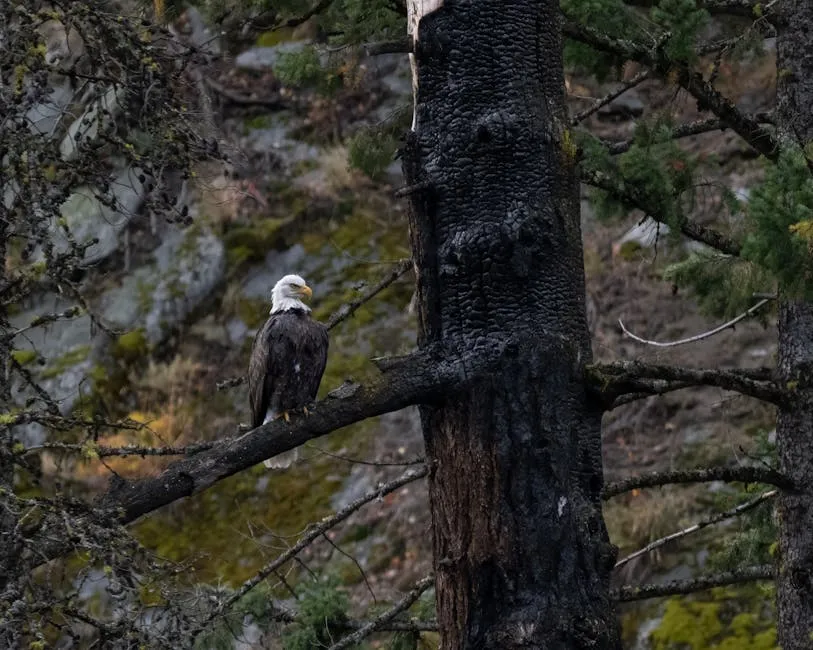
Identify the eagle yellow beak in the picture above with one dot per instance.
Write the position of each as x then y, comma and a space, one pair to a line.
306, 291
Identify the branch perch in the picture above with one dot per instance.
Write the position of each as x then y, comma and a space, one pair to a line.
702, 475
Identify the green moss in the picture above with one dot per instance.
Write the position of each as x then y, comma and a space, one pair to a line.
67, 360
717, 622
257, 122
251, 243
24, 357
131, 346
275, 37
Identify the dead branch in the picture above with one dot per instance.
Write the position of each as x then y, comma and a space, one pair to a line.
615, 94
380, 621
630, 593
312, 534
701, 475
615, 379
700, 525
703, 335
348, 309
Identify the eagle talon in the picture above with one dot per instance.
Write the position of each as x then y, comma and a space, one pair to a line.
285, 416
306, 411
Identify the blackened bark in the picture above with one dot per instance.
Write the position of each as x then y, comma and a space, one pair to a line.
522, 557
795, 422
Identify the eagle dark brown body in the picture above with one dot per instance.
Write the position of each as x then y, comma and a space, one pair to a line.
287, 362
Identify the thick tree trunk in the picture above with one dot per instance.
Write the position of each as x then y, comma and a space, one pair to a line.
795, 423
522, 557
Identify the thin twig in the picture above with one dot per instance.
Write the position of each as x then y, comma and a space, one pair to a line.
380, 621
310, 536
615, 94
728, 514
702, 335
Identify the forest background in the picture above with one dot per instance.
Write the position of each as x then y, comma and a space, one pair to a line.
272, 149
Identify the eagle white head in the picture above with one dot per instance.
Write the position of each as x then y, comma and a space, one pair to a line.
288, 293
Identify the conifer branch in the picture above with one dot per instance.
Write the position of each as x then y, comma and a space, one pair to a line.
636, 198
739, 474
708, 98
681, 131
703, 335
700, 525
615, 379
380, 621
631, 593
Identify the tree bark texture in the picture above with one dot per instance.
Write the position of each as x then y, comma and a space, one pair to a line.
795, 421
522, 556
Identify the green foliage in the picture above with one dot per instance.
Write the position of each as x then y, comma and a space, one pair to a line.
359, 21
654, 167
683, 20
723, 285
779, 213
304, 69
373, 148
612, 17
715, 622
323, 604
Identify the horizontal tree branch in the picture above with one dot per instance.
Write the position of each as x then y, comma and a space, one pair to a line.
418, 378
636, 198
614, 379
630, 593
686, 130
739, 474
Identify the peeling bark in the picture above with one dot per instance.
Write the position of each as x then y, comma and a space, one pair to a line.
522, 557
794, 431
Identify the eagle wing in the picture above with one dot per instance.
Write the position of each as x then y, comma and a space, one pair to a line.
263, 370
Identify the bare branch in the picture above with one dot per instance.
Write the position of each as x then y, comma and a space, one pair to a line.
728, 514
622, 377
316, 531
630, 593
380, 621
703, 335
615, 94
348, 309
700, 475
101, 451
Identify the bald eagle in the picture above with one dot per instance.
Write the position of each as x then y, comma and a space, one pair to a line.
288, 359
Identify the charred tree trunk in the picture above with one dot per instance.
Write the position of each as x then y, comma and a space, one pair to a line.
522, 557
794, 431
